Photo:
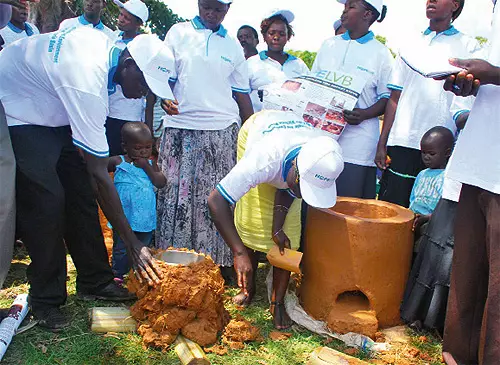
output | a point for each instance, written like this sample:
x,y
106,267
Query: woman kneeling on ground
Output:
x,y
286,159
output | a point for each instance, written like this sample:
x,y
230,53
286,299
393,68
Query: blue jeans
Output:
x,y
120,262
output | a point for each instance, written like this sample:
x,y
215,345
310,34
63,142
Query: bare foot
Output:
x,y
281,319
243,300
448,359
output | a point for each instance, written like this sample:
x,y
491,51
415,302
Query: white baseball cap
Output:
x,y
135,7
287,14
227,2
320,163
156,62
377,4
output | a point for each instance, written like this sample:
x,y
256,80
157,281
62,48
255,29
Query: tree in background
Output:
x,y
482,41
306,56
48,14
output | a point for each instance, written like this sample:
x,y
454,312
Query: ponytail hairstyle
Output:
x,y
376,15
456,13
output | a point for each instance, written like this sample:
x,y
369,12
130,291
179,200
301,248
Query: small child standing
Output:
x,y
135,179
436,146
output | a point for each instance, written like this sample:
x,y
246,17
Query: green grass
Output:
x,y
77,345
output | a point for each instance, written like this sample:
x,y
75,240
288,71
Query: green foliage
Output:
x,y
161,17
381,39
482,41
306,56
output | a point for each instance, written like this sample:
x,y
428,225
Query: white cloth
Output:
x,y
367,58
263,70
424,103
209,67
475,160
120,107
11,33
58,79
80,21
274,140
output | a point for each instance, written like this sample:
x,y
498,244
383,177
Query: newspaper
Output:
x,y
319,99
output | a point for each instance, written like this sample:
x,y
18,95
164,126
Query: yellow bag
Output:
x,y
253,214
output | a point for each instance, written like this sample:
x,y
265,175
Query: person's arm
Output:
x,y
357,115
390,115
462,120
155,175
142,261
476,73
113,162
244,104
222,216
149,113
282,203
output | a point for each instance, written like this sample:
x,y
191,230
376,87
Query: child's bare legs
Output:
x,y
241,298
280,285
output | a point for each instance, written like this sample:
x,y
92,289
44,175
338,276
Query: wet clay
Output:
x,y
239,331
362,247
189,300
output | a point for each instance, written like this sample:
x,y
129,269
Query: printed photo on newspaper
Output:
x,y
319,99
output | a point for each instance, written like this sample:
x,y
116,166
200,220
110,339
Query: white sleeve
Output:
x,y
64,24
239,78
304,70
399,74
247,174
317,62
170,41
384,76
87,115
461,105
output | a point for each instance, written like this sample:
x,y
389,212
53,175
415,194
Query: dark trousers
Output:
x,y
114,135
472,329
56,205
357,181
396,189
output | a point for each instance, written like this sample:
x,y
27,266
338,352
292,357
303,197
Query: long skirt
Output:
x,y
253,215
426,293
194,162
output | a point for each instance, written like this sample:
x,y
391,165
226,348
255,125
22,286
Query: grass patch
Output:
x,y
77,345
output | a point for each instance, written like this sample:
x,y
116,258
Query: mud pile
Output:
x,y
189,300
239,331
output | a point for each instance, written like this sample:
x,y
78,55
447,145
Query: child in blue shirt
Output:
x,y
436,146
135,179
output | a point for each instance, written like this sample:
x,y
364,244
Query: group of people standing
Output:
x,y
74,97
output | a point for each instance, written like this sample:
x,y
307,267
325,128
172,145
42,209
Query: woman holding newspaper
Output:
x,y
348,53
287,159
274,65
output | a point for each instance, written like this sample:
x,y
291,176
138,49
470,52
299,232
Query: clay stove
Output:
x,y
356,262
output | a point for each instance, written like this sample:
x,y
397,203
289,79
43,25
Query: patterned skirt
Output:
x,y
194,162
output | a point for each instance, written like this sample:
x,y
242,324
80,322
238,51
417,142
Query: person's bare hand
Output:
x,y
475,73
141,162
244,270
171,107
355,116
381,157
144,265
281,240
419,221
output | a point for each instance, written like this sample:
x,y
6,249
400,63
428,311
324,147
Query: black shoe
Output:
x,y
52,319
111,292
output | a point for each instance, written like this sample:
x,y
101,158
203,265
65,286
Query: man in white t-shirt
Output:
x,y
133,14
54,88
91,17
18,27
417,103
472,331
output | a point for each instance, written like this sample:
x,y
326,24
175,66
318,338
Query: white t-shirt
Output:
x,y
424,103
80,21
264,70
275,139
365,57
475,160
58,79
120,107
209,66
11,33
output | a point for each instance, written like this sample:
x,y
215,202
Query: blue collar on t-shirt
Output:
x,y
450,31
287,162
263,56
364,39
114,57
84,21
27,28
198,24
